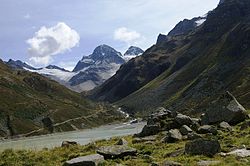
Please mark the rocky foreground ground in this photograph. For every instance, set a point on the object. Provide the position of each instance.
(221, 136)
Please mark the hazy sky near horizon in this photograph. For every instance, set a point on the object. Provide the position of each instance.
(60, 32)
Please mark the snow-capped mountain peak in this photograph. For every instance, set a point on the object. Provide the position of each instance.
(132, 52)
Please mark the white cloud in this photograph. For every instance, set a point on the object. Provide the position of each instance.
(127, 35)
(48, 42)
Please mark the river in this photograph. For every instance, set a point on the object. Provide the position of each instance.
(82, 137)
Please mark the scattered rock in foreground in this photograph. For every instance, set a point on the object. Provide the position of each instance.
(240, 153)
(144, 139)
(68, 143)
(185, 130)
(207, 129)
(208, 163)
(149, 130)
(90, 160)
(171, 163)
(116, 151)
(203, 147)
(225, 126)
(173, 135)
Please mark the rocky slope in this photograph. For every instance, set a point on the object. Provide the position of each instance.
(32, 104)
(188, 72)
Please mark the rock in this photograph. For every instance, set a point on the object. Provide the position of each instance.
(116, 151)
(225, 126)
(68, 143)
(240, 153)
(144, 139)
(90, 160)
(122, 141)
(227, 109)
(160, 114)
(193, 136)
(185, 130)
(208, 163)
(207, 129)
(173, 135)
(202, 147)
(183, 120)
(149, 130)
(171, 163)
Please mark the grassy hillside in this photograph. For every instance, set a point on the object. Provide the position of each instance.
(29, 102)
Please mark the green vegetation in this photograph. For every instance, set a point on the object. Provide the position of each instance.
(147, 153)
(26, 98)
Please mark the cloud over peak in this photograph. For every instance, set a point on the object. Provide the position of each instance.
(127, 35)
(48, 42)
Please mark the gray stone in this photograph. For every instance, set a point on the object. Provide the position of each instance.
(149, 130)
(227, 109)
(202, 147)
(207, 129)
(193, 136)
(90, 160)
(183, 120)
(173, 135)
(116, 151)
(240, 153)
(171, 163)
(122, 141)
(68, 143)
(175, 153)
(208, 163)
(185, 130)
(144, 139)
(225, 126)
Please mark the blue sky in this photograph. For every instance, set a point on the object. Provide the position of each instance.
(73, 28)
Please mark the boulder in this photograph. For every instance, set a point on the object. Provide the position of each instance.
(225, 126)
(183, 120)
(90, 160)
(173, 135)
(207, 129)
(116, 151)
(208, 163)
(122, 141)
(185, 130)
(240, 153)
(193, 136)
(203, 147)
(171, 163)
(148, 130)
(227, 109)
(144, 139)
(68, 143)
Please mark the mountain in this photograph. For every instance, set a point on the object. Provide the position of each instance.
(89, 72)
(32, 104)
(94, 69)
(186, 26)
(19, 65)
(132, 52)
(101, 54)
(189, 71)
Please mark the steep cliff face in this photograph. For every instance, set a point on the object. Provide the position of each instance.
(196, 67)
